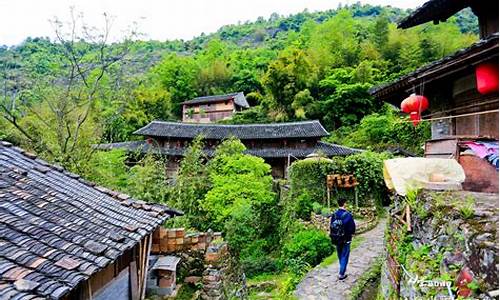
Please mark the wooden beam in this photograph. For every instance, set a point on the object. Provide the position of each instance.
(146, 267)
(134, 290)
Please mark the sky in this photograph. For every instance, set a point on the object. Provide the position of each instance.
(157, 19)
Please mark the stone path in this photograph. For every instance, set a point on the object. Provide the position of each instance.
(322, 282)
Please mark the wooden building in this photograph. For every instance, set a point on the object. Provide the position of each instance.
(62, 237)
(210, 109)
(461, 109)
(277, 143)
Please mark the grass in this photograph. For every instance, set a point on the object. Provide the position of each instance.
(356, 241)
(280, 281)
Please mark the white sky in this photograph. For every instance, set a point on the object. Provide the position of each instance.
(158, 19)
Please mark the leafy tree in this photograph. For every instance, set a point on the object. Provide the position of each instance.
(241, 201)
(291, 73)
(108, 169)
(177, 75)
(384, 130)
(147, 180)
(191, 185)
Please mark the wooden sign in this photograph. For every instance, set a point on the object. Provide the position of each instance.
(341, 181)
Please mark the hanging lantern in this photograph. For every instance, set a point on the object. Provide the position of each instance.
(487, 78)
(415, 117)
(415, 105)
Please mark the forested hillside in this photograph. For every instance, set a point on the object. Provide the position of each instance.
(60, 97)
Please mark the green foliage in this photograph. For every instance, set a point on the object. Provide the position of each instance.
(304, 206)
(467, 207)
(108, 169)
(310, 246)
(308, 177)
(191, 185)
(384, 130)
(147, 180)
(367, 168)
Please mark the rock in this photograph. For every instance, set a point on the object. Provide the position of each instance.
(192, 279)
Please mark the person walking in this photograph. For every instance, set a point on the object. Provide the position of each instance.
(342, 227)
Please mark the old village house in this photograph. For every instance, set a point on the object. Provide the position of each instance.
(62, 237)
(210, 109)
(462, 92)
(279, 143)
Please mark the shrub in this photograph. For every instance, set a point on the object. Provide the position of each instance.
(317, 208)
(310, 246)
(255, 260)
(304, 206)
(309, 176)
(367, 167)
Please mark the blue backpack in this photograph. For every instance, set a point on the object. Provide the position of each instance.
(337, 228)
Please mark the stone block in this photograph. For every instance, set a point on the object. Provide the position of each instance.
(162, 233)
(180, 232)
(212, 257)
(202, 246)
(155, 248)
(164, 245)
(171, 233)
(192, 279)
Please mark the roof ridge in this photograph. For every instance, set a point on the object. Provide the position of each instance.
(219, 95)
(119, 196)
(233, 125)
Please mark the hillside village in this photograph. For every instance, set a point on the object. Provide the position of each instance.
(210, 168)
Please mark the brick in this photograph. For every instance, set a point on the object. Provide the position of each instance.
(171, 233)
(162, 233)
(179, 233)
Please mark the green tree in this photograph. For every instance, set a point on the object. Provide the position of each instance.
(290, 74)
(177, 75)
(191, 185)
(147, 180)
(241, 201)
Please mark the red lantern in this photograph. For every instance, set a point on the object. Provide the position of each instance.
(415, 117)
(415, 105)
(487, 78)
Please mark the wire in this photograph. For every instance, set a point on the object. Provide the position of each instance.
(453, 117)
(462, 107)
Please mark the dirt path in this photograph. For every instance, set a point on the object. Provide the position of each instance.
(322, 282)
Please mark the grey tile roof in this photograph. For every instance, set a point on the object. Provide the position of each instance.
(433, 10)
(489, 45)
(239, 99)
(270, 152)
(306, 129)
(56, 229)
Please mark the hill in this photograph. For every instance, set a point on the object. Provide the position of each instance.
(60, 97)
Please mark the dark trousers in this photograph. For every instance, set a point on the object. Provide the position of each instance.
(343, 250)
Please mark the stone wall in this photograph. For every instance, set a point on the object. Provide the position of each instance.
(369, 221)
(449, 249)
(205, 261)
(166, 241)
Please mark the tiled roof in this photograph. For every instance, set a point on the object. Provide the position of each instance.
(57, 229)
(439, 10)
(239, 99)
(271, 152)
(304, 129)
(483, 48)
